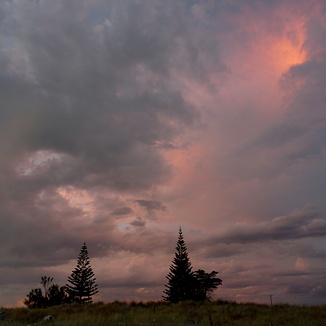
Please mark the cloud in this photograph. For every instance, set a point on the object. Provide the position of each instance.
(138, 222)
(123, 211)
(99, 95)
(121, 121)
(151, 204)
(88, 97)
(301, 132)
(301, 223)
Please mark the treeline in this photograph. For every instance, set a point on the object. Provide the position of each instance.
(80, 288)
(183, 284)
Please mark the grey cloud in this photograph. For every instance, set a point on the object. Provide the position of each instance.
(93, 97)
(300, 224)
(307, 250)
(146, 240)
(89, 93)
(122, 211)
(151, 205)
(300, 136)
(221, 249)
(138, 222)
(103, 95)
(277, 136)
(293, 273)
(132, 283)
(315, 288)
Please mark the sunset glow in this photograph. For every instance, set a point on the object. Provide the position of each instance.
(121, 121)
(286, 52)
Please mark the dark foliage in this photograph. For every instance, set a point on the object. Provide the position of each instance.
(35, 299)
(184, 284)
(81, 283)
(181, 280)
(206, 284)
(53, 295)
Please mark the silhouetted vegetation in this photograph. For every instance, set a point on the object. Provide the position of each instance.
(53, 295)
(206, 284)
(184, 284)
(81, 283)
(81, 288)
(176, 310)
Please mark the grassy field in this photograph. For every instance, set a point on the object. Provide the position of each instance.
(166, 314)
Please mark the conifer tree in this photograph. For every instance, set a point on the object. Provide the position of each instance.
(82, 281)
(181, 281)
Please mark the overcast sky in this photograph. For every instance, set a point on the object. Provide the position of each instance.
(122, 120)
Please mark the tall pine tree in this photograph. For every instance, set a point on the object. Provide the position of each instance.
(82, 281)
(181, 281)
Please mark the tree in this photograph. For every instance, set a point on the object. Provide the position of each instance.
(46, 281)
(82, 281)
(57, 295)
(35, 299)
(181, 281)
(206, 284)
(53, 295)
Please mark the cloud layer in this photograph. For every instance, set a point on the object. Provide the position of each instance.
(121, 121)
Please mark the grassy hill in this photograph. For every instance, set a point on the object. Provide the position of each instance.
(167, 314)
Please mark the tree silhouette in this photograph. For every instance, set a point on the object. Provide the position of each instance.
(53, 295)
(46, 281)
(206, 284)
(82, 281)
(181, 281)
(35, 299)
(57, 295)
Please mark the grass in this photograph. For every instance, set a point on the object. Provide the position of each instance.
(166, 314)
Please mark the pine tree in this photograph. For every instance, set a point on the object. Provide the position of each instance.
(181, 280)
(82, 281)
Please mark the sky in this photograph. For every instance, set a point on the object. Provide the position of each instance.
(121, 121)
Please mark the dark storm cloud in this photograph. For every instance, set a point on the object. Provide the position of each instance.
(48, 227)
(88, 97)
(100, 95)
(300, 224)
